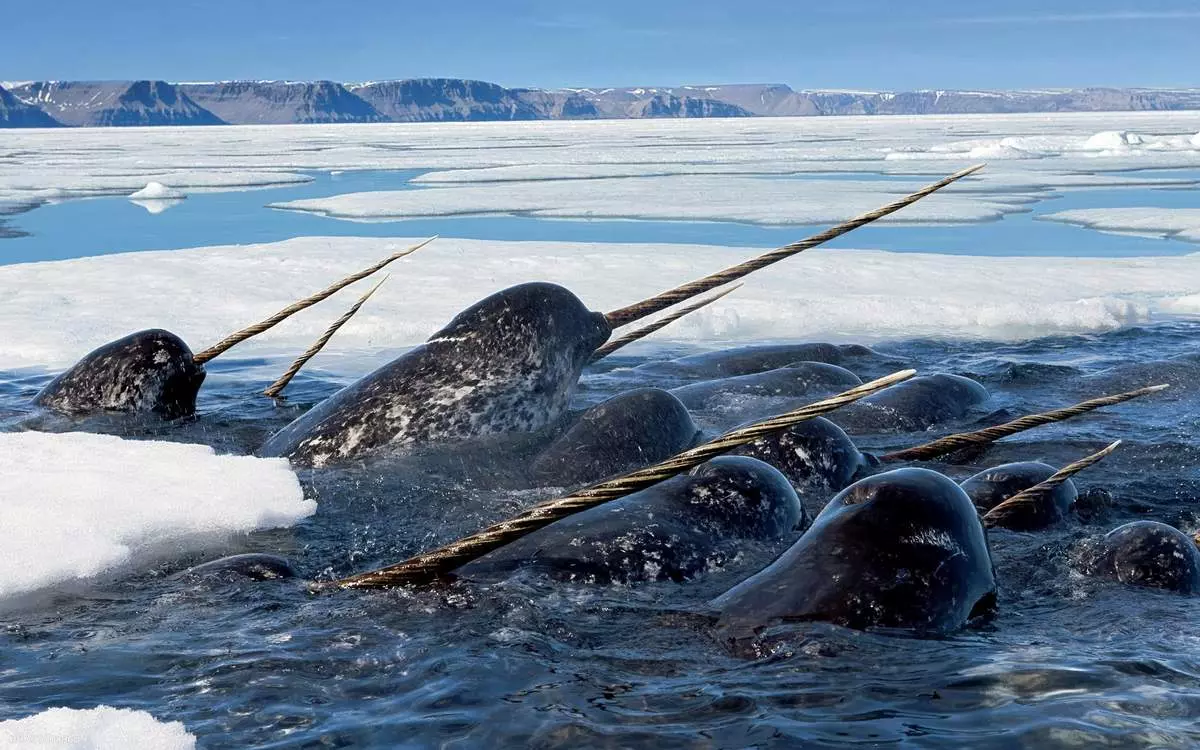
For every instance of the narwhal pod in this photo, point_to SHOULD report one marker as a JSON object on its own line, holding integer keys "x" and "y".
{"x": 1145, "y": 553}
{"x": 915, "y": 404}
{"x": 673, "y": 530}
{"x": 629, "y": 431}
{"x": 903, "y": 549}
{"x": 748, "y": 360}
{"x": 797, "y": 380}
{"x": 508, "y": 363}
{"x": 145, "y": 372}
{"x": 990, "y": 487}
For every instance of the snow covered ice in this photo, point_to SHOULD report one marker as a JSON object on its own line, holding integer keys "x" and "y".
{"x": 78, "y": 504}
{"x": 1177, "y": 223}
{"x": 55, "y": 312}
{"x": 101, "y": 728}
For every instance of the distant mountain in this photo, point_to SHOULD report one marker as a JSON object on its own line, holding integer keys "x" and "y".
{"x": 439, "y": 99}
{"x": 15, "y": 113}
{"x": 99, "y": 103}
{"x": 454, "y": 99}
{"x": 280, "y": 102}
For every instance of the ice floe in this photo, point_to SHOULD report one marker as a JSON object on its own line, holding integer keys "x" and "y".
{"x": 755, "y": 200}
{"x": 100, "y": 728}
{"x": 1176, "y": 223}
{"x": 53, "y": 313}
{"x": 77, "y": 505}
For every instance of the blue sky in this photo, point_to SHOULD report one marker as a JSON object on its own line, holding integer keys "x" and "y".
{"x": 873, "y": 44}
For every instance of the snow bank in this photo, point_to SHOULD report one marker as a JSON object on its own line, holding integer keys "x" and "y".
{"x": 1176, "y": 223}
{"x": 77, "y": 504}
{"x": 1105, "y": 149}
{"x": 157, "y": 191}
{"x": 102, "y": 728}
{"x": 53, "y": 313}
{"x": 684, "y": 198}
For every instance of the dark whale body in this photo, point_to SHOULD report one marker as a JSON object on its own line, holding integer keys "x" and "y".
{"x": 673, "y": 530}
{"x": 629, "y": 431}
{"x": 148, "y": 372}
{"x": 902, "y": 549}
{"x": 747, "y": 360}
{"x": 252, "y": 565}
{"x": 798, "y": 380}
{"x": 816, "y": 456}
{"x": 990, "y": 487}
{"x": 914, "y": 405}
{"x": 1147, "y": 553}
{"x": 509, "y": 363}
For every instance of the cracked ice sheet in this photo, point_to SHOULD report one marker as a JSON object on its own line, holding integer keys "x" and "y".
{"x": 683, "y": 198}
{"x": 73, "y": 508}
{"x": 1175, "y": 223}
{"x": 53, "y": 313}
{"x": 73, "y": 160}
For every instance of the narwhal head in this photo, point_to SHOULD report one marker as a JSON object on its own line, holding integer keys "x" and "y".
{"x": 155, "y": 372}
{"x": 149, "y": 371}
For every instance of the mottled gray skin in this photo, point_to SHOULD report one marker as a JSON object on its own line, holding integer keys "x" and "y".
{"x": 148, "y": 372}
{"x": 916, "y": 404}
{"x": 798, "y": 380}
{"x": 903, "y": 549}
{"x": 990, "y": 487}
{"x": 629, "y": 431}
{"x": 673, "y": 531}
{"x": 252, "y": 566}
{"x": 1147, "y": 553}
{"x": 816, "y": 456}
{"x": 506, "y": 364}
{"x": 748, "y": 360}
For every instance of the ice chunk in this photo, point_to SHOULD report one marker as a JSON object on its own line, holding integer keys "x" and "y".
{"x": 1177, "y": 223}
{"x": 101, "y": 728}
{"x": 1113, "y": 139}
{"x": 78, "y": 504}
{"x": 157, "y": 191}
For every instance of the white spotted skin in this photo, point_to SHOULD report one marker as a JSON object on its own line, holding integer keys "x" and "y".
{"x": 148, "y": 372}
{"x": 673, "y": 531}
{"x": 507, "y": 364}
{"x": 902, "y": 549}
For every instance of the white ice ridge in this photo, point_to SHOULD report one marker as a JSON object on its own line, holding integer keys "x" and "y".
{"x": 755, "y": 200}
{"x": 1177, "y": 223}
{"x": 155, "y": 190}
{"x": 53, "y": 313}
{"x": 77, "y": 504}
{"x": 100, "y": 728}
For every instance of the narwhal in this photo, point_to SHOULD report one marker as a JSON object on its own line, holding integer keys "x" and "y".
{"x": 508, "y": 363}
{"x": 155, "y": 372}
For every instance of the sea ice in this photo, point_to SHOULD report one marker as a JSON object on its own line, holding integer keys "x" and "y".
{"x": 1176, "y": 223}
{"x": 100, "y": 728}
{"x": 755, "y": 200}
{"x": 157, "y": 191}
{"x": 78, "y": 504}
{"x": 53, "y": 313}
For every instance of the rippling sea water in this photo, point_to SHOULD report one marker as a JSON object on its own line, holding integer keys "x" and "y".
{"x": 1069, "y": 661}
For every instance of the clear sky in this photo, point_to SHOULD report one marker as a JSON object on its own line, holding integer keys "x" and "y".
{"x": 871, "y": 44}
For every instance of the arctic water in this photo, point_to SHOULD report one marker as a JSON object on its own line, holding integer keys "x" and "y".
{"x": 1068, "y": 661}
